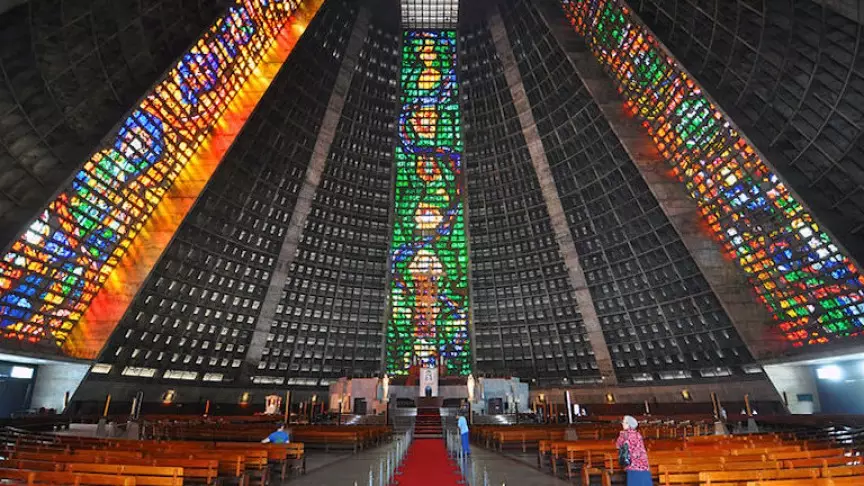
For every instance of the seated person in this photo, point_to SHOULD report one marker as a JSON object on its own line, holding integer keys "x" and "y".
{"x": 279, "y": 436}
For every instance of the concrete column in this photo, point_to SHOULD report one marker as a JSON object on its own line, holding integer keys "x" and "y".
{"x": 566, "y": 246}
{"x": 726, "y": 279}
{"x": 326, "y": 134}
{"x": 391, "y": 219}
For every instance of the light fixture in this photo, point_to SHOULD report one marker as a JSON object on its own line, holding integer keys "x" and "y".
{"x": 830, "y": 373}
{"x": 610, "y": 398}
{"x": 23, "y": 372}
{"x": 244, "y": 398}
{"x": 168, "y": 397}
{"x": 685, "y": 394}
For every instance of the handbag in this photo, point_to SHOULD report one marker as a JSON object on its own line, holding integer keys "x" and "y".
{"x": 624, "y": 455}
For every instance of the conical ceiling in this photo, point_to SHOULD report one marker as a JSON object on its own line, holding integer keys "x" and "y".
{"x": 587, "y": 259}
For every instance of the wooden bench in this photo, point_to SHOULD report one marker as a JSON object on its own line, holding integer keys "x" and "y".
{"x": 848, "y": 481}
{"x": 728, "y": 478}
{"x": 524, "y": 438}
{"x": 807, "y": 454}
{"x": 591, "y": 455}
{"x": 821, "y": 462}
{"x": 355, "y": 437}
{"x": 206, "y": 469}
{"x": 295, "y": 458}
{"x": 144, "y": 475}
{"x": 332, "y": 439}
{"x": 94, "y": 456}
{"x": 842, "y": 471}
{"x": 204, "y": 461}
{"x": 65, "y": 478}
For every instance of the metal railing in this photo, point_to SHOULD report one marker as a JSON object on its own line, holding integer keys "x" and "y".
{"x": 473, "y": 470}
{"x": 392, "y": 456}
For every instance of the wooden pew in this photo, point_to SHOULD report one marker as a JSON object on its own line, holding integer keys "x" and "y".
{"x": 727, "y": 478}
{"x": 65, "y": 478}
{"x": 806, "y": 454}
{"x": 356, "y": 437}
{"x": 204, "y": 468}
{"x": 94, "y": 456}
{"x": 685, "y": 459}
{"x": 848, "y": 481}
{"x": 842, "y": 471}
{"x": 291, "y": 455}
{"x": 821, "y": 462}
{"x": 594, "y": 454}
{"x": 144, "y": 475}
{"x": 295, "y": 458}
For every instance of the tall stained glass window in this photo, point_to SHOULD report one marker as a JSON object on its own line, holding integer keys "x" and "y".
{"x": 428, "y": 324}
{"x": 52, "y": 272}
{"x": 811, "y": 287}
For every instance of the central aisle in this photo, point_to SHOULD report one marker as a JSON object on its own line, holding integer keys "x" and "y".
{"x": 427, "y": 464}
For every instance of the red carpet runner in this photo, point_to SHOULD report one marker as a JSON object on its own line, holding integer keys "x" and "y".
{"x": 427, "y": 464}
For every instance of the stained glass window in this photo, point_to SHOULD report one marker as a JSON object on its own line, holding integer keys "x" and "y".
{"x": 428, "y": 325}
{"x": 53, "y": 271}
{"x": 811, "y": 287}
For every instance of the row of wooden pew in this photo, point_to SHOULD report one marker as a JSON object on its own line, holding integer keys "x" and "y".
{"x": 354, "y": 437}
{"x": 526, "y": 437}
{"x": 741, "y": 460}
{"x": 42, "y": 459}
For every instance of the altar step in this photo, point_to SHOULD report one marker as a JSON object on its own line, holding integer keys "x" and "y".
{"x": 428, "y": 423}
{"x": 429, "y": 402}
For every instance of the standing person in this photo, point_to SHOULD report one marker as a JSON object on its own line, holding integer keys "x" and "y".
{"x": 463, "y": 431}
{"x": 638, "y": 473}
{"x": 278, "y": 436}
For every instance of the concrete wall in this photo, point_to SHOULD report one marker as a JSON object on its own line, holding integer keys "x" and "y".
{"x": 188, "y": 394}
{"x": 412, "y": 392}
{"x": 53, "y": 381}
{"x": 760, "y": 390}
{"x": 503, "y": 389}
{"x": 348, "y": 390}
{"x": 795, "y": 380}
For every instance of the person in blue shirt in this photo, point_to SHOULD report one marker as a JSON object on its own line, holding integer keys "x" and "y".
{"x": 462, "y": 423}
{"x": 279, "y": 436}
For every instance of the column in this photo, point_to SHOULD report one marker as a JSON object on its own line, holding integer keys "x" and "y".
{"x": 566, "y": 246}
{"x": 306, "y": 195}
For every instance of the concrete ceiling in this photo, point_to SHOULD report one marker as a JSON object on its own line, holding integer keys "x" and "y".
{"x": 7, "y": 4}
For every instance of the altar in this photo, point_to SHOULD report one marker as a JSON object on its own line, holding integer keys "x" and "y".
{"x": 372, "y": 396}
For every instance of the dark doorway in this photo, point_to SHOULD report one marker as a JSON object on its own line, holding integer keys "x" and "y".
{"x": 495, "y": 406}
{"x": 14, "y": 396}
{"x": 360, "y": 406}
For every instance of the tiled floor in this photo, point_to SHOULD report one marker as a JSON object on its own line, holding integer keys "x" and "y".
{"x": 503, "y": 469}
{"x": 339, "y": 469}
{"x": 316, "y": 460}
